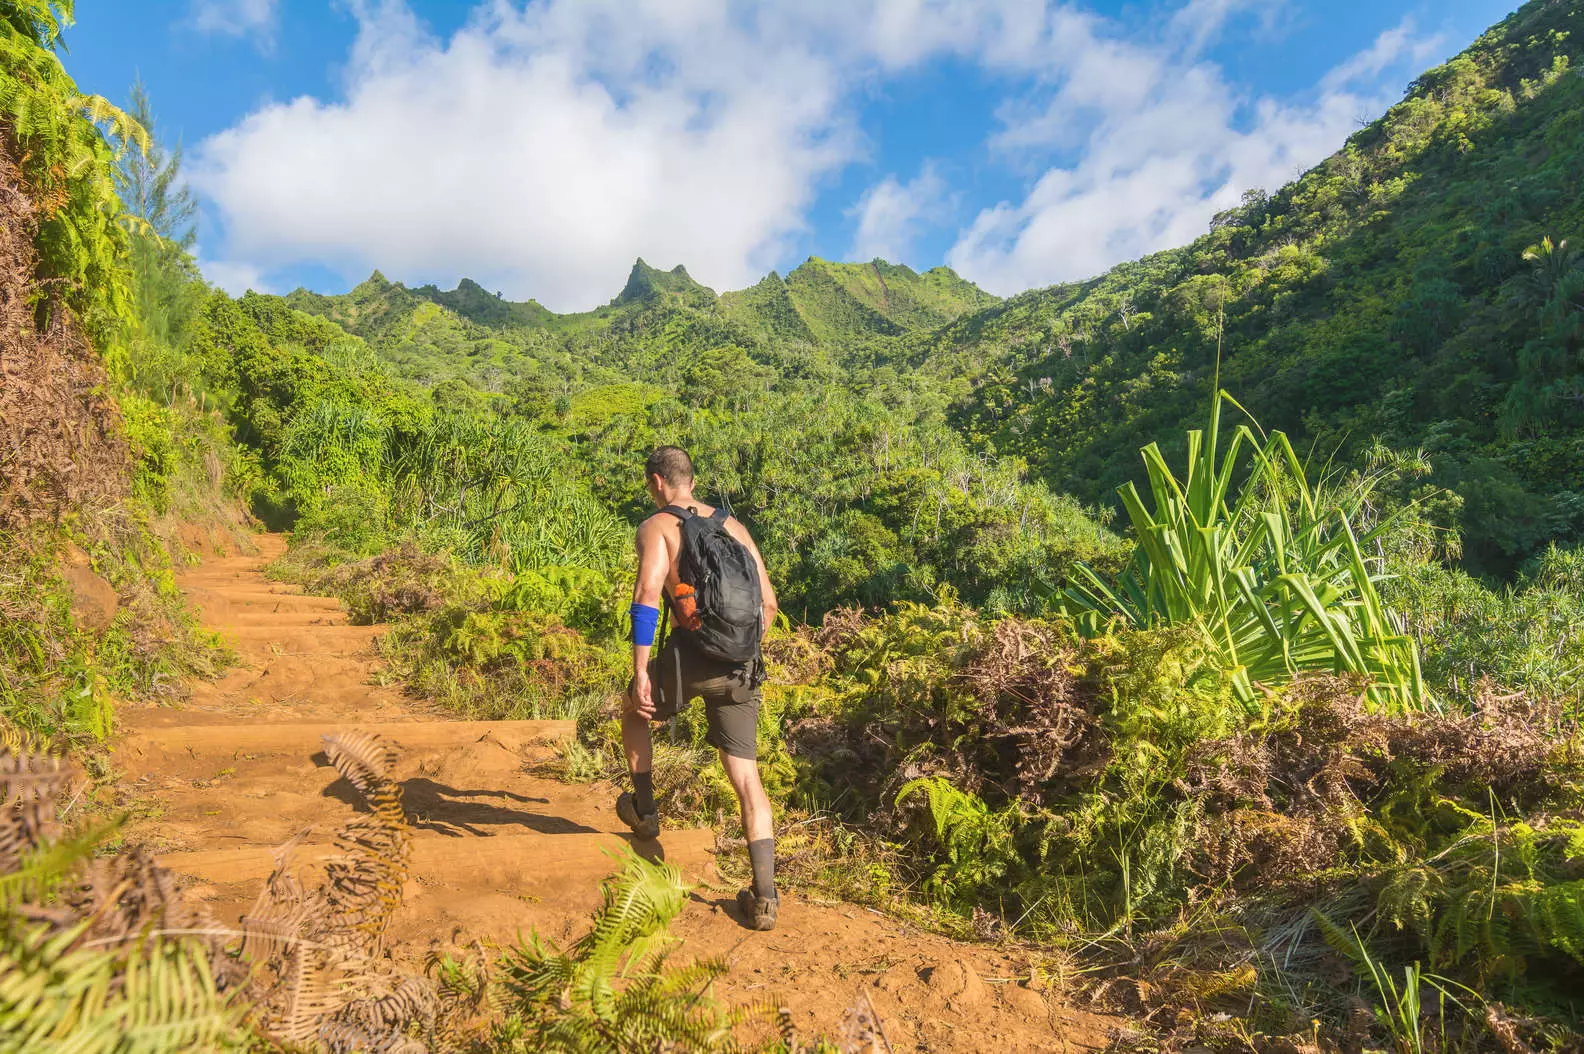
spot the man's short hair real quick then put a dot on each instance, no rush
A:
(670, 463)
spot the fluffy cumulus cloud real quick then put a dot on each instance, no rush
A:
(1155, 154)
(891, 214)
(233, 18)
(542, 150)
(235, 277)
(544, 146)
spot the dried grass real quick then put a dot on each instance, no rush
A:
(60, 434)
(1280, 801)
(403, 581)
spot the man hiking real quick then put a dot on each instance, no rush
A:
(719, 603)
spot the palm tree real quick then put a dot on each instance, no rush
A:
(1552, 262)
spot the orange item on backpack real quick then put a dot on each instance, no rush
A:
(684, 601)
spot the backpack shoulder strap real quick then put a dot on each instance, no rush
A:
(720, 516)
(679, 512)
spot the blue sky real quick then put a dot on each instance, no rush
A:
(540, 147)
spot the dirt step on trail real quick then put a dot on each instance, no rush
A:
(238, 768)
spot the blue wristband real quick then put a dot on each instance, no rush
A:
(645, 621)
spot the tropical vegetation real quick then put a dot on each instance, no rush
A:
(1211, 625)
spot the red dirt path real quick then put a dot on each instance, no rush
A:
(233, 772)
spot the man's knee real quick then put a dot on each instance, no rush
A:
(633, 723)
(742, 772)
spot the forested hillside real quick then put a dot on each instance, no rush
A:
(879, 501)
(1266, 738)
(1420, 288)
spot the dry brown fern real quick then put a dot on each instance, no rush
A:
(29, 787)
(310, 959)
(365, 883)
(320, 972)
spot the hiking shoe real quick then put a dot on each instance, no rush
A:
(646, 826)
(759, 912)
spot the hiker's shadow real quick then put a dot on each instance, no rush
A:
(726, 905)
(432, 806)
(651, 849)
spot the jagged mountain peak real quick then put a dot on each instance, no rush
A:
(647, 283)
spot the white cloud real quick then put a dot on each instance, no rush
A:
(541, 150)
(234, 276)
(233, 18)
(1154, 157)
(891, 214)
(545, 145)
(1393, 49)
(1196, 24)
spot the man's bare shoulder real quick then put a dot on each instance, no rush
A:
(658, 523)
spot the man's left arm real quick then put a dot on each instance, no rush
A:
(653, 561)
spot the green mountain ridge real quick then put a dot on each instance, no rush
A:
(818, 302)
(1383, 296)
(649, 285)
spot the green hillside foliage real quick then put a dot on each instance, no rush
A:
(844, 299)
(89, 610)
(1295, 722)
(54, 130)
(1402, 290)
(880, 501)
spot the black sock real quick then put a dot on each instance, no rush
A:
(761, 854)
(643, 792)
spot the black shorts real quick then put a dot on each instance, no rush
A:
(678, 675)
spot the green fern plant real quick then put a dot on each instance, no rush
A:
(68, 164)
(615, 989)
(1500, 896)
(61, 995)
(975, 840)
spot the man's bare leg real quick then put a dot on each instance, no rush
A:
(636, 742)
(761, 908)
(751, 796)
(639, 748)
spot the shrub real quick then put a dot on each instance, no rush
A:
(1275, 580)
(616, 988)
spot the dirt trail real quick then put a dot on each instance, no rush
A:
(236, 770)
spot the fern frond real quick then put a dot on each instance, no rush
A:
(364, 759)
(146, 998)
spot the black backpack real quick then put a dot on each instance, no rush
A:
(725, 579)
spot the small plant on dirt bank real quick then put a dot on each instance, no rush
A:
(615, 990)
(1414, 1026)
(63, 657)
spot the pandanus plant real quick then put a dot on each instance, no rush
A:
(1274, 577)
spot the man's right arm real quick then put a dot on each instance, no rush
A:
(653, 562)
(766, 590)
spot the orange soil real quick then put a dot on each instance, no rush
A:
(236, 770)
